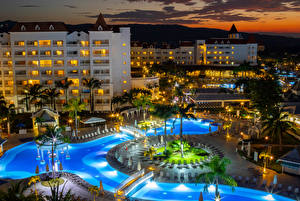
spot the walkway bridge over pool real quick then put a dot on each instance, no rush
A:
(133, 184)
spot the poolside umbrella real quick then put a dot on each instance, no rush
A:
(201, 197)
(121, 159)
(139, 166)
(275, 180)
(101, 189)
(129, 162)
(98, 130)
(161, 139)
(135, 123)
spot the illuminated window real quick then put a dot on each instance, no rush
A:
(124, 53)
(59, 52)
(227, 57)
(61, 91)
(170, 52)
(75, 91)
(208, 62)
(7, 54)
(220, 52)
(84, 53)
(74, 62)
(35, 63)
(48, 72)
(220, 57)
(59, 43)
(132, 63)
(124, 90)
(60, 72)
(124, 44)
(24, 83)
(227, 62)
(44, 43)
(144, 52)
(124, 72)
(20, 43)
(48, 53)
(35, 73)
(158, 62)
(23, 53)
(85, 72)
(33, 52)
(86, 43)
(124, 81)
(151, 52)
(232, 52)
(151, 62)
(45, 63)
(75, 82)
(33, 82)
(49, 82)
(208, 52)
(10, 83)
(190, 52)
(215, 47)
(35, 43)
(171, 57)
(100, 91)
(232, 47)
(215, 57)
(124, 62)
(215, 52)
(59, 62)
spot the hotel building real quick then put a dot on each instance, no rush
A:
(45, 52)
(231, 51)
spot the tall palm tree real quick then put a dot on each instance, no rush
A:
(8, 113)
(52, 136)
(64, 84)
(183, 112)
(33, 95)
(143, 101)
(277, 125)
(75, 106)
(91, 84)
(217, 173)
(163, 112)
(52, 94)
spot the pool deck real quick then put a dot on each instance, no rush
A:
(238, 167)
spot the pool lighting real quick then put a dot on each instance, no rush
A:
(211, 189)
(112, 173)
(269, 197)
(181, 188)
(152, 185)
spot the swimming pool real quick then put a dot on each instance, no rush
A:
(190, 127)
(88, 160)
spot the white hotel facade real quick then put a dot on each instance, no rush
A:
(45, 52)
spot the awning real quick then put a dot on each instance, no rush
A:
(93, 120)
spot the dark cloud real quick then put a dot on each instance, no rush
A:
(168, 2)
(29, 6)
(279, 18)
(70, 6)
(218, 6)
(224, 17)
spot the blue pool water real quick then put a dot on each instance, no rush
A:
(88, 160)
(190, 127)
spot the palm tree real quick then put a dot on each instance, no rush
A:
(183, 112)
(277, 125)
(117, 100)
(73, 107)
(33, 95)
(7, 113)
(64, 84)
(52, 94)
(163, 112)
(217, 173)
(94, 190)
(16, 192)
(58, 194)
(52, 136)
(34, 180)
(143, 101)
(91, 84)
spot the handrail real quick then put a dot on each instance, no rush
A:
(132, 177)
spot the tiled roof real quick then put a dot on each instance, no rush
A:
(233, 30)
(101, 24)
(39, 27)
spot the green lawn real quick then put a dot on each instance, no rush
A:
(176, 156)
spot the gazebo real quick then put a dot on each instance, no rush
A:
(290, 162)
(93, 121)
(46, 117)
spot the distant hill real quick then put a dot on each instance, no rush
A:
(276, 45)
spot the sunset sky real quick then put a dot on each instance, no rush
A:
(282, 16)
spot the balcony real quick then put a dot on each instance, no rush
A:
(100, 55)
